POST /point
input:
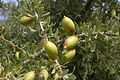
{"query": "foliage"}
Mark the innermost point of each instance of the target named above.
(97, 53)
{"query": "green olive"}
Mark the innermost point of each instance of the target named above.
(51, 50)
(113, 13)
(29, 75)
(68, 25)
(71, 42)
(69, 54)
(25, 20)
(43, 75)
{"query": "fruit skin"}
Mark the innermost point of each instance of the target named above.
(68, 25)
(43, 75)
(51, 50)
(29, 75)
(113, 13)
(69, 54)
(25, 20)
(71, 42)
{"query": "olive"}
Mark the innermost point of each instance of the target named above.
(69, 54)
(71, 42)
(68, 25)
(29, 75)
(113, 13)
(43, 75)
(25, 20)
(17, 55)
(51, 50)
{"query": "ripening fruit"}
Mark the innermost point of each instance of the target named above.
(51, 50)
(69, 54)
(68, 25)
(43, 75)
(25, 20)
(29, 75)
(71, 42)
(113, 13)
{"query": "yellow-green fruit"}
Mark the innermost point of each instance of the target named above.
(51, 50)
(113, 13)
(56, 76)
(30, 76)
(43, 75)
(25, 20)
(71, 42)
(68, 25)
(68, 55)
(1, 70)
(106, 12)
(17, 55)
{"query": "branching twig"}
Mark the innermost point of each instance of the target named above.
(101, 5)
(1, 37)
(96, 33)
(34, 57)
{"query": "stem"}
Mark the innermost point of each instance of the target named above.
(61, 72)
(1, 37)
(34, 57)
(96, 33)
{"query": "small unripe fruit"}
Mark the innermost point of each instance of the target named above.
(43, 75)
(71, 42)
(17, 55)
(25, 20)
(30, 76)
(1, 70)
(113, 13)
(69, 54)
(68, 25)
(51, 50)
(106, 12)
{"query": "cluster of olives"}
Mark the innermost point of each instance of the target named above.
(43, 75)
(50, 47)
(70, 43)
(25, 20)
(113, 13)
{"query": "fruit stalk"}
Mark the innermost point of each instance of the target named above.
(60, 68)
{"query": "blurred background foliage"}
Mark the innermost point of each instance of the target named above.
(97, 56)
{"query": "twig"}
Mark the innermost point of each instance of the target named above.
(101, 5)
(34, 57)
(61, 72)
(45, 36)
(96, 33)
(1, 37)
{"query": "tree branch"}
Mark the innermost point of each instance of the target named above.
(101, 33)
(1, 37)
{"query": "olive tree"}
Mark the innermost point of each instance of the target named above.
(24, 49)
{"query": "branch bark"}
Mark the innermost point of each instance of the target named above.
(1, 37)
